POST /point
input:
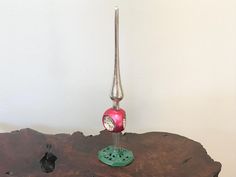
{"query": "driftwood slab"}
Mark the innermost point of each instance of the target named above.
(156, 155)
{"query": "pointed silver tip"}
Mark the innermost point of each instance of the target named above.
(117, 91)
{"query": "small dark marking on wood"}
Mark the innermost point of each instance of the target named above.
(9, 173)
(186, 160)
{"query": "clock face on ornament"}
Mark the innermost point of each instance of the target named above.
(109, 123)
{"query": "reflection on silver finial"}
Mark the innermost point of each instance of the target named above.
(116, 91)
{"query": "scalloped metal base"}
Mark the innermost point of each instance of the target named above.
(115, 157)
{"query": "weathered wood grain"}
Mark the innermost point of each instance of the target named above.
(157, 154)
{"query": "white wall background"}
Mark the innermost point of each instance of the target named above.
(178, 64)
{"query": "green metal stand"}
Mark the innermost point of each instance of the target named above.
(115, 157)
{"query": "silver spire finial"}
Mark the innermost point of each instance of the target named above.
(116, 91)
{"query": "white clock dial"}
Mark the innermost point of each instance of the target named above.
(108, 123)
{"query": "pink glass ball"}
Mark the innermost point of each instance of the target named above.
(114, 120)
